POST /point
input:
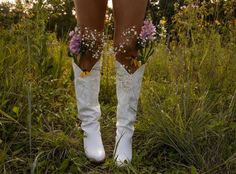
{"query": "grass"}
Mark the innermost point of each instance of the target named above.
(186, 118)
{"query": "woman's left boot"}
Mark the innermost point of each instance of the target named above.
(128, 90)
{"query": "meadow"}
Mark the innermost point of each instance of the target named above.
(187, 108)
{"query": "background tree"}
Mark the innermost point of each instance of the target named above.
(60, 16)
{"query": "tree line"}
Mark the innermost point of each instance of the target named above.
(59, 15)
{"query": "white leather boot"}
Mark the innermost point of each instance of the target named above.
(87, 90)
(127, 89)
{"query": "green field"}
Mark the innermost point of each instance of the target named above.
(186, 114)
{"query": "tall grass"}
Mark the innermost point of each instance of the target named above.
(189, 106)
(187, 110)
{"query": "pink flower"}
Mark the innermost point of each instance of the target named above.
(148, 31)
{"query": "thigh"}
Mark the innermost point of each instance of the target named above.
(128, 13)
(91, 13)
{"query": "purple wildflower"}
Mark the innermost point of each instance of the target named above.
(72, 33)
(148, 31)
(75, 44)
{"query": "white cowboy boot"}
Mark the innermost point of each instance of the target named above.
(127, 89)
(87, 90)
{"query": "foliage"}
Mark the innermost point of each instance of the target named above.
(57, 14)
(187, 110)
(11, 14)
(189, 106)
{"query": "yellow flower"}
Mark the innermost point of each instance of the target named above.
(163, 21)
(85, 73)
(136, 63)
(217, 22)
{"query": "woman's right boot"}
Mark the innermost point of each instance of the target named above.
(87, 90)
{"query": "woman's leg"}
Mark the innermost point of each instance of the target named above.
(128, 13)
(90, 15)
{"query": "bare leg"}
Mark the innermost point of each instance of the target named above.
(128, 13)
(90, 14)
